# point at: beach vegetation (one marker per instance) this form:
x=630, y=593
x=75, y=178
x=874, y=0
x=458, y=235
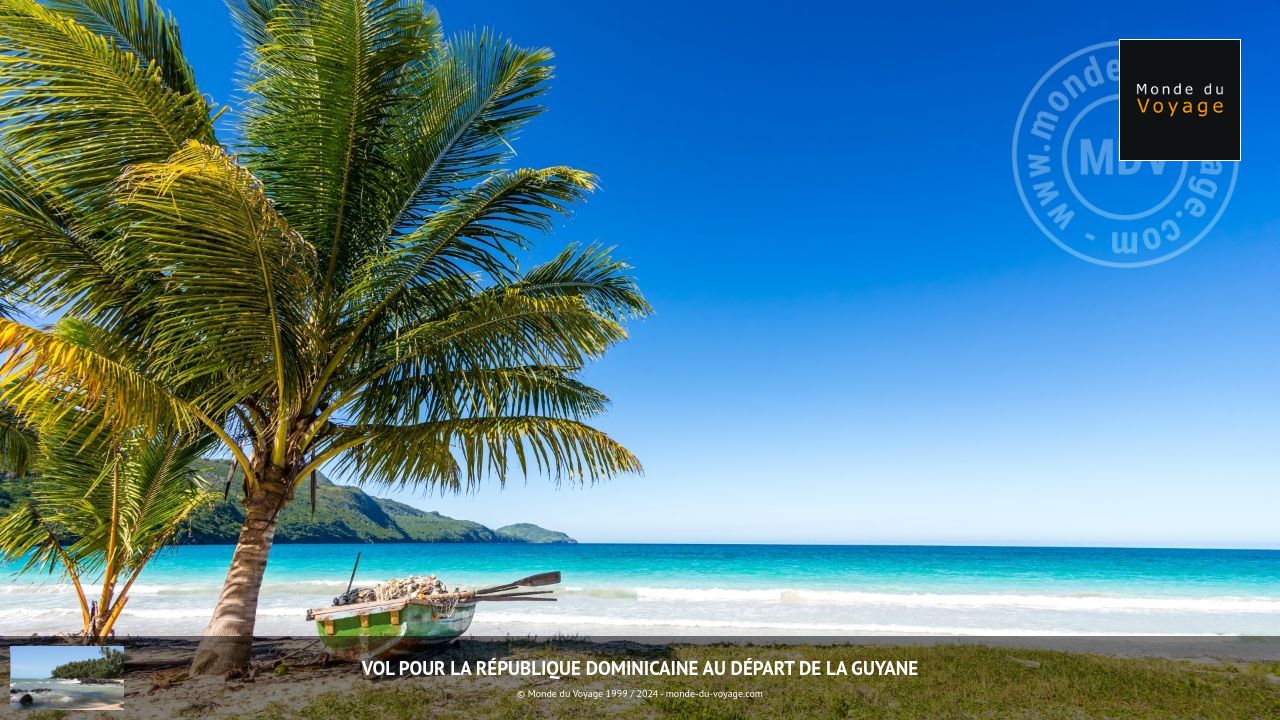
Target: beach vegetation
x=100, y=508
x=334, y=273
x=103, y=504
x=109, y=666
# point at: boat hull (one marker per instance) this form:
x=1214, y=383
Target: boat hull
x=393, y=629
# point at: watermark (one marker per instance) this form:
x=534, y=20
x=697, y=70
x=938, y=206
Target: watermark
x=1082, y=196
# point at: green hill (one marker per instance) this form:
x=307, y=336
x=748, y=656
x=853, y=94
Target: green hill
x=530, y=533
x=343, y=514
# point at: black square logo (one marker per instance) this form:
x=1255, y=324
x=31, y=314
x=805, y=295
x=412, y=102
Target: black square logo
x=1179, y=99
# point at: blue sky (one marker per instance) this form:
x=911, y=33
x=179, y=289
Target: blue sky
x=860, y=334
x=37, y=662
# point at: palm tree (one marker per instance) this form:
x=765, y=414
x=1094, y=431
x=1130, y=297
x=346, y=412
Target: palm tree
x=342, y=284
x=101, y=504
x=102, y=507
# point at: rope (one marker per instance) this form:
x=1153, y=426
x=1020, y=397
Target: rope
x=447, y=605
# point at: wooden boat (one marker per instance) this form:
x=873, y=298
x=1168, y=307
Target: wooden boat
x=390, y=629
x=405, y=626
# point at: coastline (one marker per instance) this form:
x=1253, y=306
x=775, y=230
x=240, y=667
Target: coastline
x=63, y=694
x=697, y=590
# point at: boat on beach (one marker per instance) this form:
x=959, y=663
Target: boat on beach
x=390, y=629
x=405, y=626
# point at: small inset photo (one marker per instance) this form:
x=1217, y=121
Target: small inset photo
x=58, y=677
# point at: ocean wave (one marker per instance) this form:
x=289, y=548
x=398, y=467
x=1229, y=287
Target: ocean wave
x=26, y=588
x=1098, y=602
x=170, y=613
x=207, y=611
x=317, y=587
x=608, y=593
x=543, y=623
x=31, y=613
x=1080, y=602
x=67, y=589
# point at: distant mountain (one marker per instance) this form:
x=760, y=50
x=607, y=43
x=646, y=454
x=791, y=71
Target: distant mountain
x=433, y=527
x=343, y=514
x=530, y=533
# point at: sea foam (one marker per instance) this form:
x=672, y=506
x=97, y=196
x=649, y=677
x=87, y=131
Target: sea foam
x=1075, y=603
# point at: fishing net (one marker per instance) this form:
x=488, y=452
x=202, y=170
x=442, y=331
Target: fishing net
x=446, y=605
x=413, y=586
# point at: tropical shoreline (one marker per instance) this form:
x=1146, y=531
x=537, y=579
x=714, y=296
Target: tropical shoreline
x=725, y=590
x=58, y=694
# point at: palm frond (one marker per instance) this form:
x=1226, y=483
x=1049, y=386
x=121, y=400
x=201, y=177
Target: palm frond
x=476, y=231
x=206, y=224
x=8, y=284
x=251, y=18
x=494, y=329
x=75, y=108
x=324, y=80
x=592, y=274
x=456, y=454
x=563, y=312
x=133, y=486
x=51, y=374
x=444, y=393
x=140, y=27
x=26, y=538
x=45, y=257
x=154, y=488
x=17, y=440
x=473, y=102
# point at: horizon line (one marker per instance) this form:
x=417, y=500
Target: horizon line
x=1033, y=546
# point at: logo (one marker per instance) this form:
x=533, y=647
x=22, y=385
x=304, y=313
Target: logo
x=1069, y=175
x=1180, y=100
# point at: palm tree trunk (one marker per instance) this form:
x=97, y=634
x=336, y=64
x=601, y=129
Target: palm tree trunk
x=229, y=637
x=123, y=597
x=110, y=571
x=75, y=581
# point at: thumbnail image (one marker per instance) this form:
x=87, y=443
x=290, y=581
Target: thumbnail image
x=66, y=678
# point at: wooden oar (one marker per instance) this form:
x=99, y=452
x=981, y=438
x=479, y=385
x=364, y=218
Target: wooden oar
x=547, y=578
x=353, y=572
x=514, y=598
x=515, y=594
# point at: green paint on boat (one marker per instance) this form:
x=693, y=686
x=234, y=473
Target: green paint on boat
x=418, y=624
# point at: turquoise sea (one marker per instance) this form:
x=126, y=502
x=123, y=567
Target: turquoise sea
x=52, y=694
x=727, y=589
